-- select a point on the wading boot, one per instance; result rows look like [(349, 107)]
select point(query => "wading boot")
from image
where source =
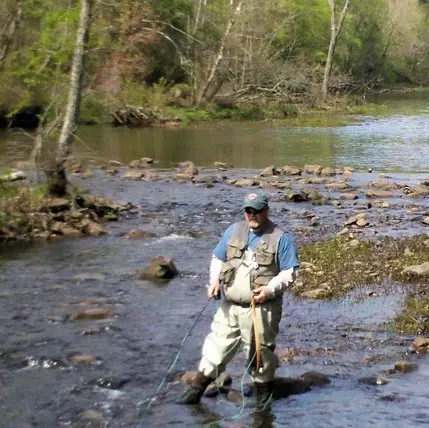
[(264, 392), (194, 393)]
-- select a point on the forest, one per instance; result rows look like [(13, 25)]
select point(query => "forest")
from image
[(212, 55)]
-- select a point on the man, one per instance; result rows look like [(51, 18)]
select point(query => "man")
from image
[(253, 260)]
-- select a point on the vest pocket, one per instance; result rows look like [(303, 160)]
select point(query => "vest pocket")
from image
[(265, 257), (227, 273), (235, 249)]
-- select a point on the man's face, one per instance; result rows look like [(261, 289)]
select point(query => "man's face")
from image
[(256, 219)]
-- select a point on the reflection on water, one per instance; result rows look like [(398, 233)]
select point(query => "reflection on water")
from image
[(397, 143)]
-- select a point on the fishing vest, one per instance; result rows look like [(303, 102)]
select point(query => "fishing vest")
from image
[(246, 270)]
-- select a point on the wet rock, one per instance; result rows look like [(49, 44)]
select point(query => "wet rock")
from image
[(349, 195), (374, 380), (425, 220), (184, 176), (404, 366), (417, 270), (152, 175), (340, 185), (141, 163), (284, 387), (115, 163), (92, 229), (56, 205), (328, 172), (300, 196), (385, 185), (234, 396), (186, 377), (222, 166), (421, 342), (354, 219), (92, 314), (45, 362), (93, 417), (61, 228), (109, 383), (159, 268), (246, 182), (133, 174), (85, 359), (318, 293), (139, 234), (290, 170), (418, 191), (313, 378), (376, 193), (269, 171), (188, 168), (313, 169)]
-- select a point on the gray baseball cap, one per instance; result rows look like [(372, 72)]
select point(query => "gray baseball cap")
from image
[(256, 199)]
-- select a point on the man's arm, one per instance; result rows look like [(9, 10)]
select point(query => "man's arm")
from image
[(219, 256)]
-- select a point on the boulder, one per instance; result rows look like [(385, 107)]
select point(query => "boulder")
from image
[(313, 169), (418, 270), (290, 170), (160, 268)]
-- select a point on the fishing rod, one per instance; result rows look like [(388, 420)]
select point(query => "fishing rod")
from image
[(173, 363)]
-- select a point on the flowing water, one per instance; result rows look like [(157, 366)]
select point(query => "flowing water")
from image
[(42, 284)]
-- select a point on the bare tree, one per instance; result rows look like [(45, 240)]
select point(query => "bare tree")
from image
[(204, 91), (6, 34), (57, 177), (335, 32)]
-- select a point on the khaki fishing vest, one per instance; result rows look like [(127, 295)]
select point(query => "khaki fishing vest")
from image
[(245, 270)]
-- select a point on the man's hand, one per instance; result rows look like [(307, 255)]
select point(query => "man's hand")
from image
[(261, 294), (213, 289)]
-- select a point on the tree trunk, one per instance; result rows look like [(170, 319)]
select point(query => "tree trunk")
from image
[(8, 31), (57, 176), (212, 73), (335, 32)]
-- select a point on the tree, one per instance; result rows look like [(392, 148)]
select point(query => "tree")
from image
[(335, 32), (57, 177)]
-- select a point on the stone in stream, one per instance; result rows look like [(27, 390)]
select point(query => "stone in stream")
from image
[(109, 383), (374, 380), (160, 268)]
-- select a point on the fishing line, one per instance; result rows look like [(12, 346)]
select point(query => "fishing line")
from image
[(173, 363)]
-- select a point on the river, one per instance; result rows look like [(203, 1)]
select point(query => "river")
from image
[(42, 284)]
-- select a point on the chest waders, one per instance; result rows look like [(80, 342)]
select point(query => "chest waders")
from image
[(233, 324)]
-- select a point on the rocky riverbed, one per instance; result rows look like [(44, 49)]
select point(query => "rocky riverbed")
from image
[(87, 340)]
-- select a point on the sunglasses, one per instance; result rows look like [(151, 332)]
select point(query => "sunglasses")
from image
[(249, 210)]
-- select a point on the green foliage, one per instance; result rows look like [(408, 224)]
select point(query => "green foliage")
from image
[(250, 113)]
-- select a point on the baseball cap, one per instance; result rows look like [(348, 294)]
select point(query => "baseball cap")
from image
[(257, 200)]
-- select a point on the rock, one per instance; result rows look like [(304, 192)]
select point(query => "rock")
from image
[(222, 166), (404, 366), (421, 342), (284, 387), (92, 229), (313, 169), (188, 167), (313, 378), (374, 380), (425, 220), (269, 171), (418, 191), (300, 196), (141, 163), (139, 234), (186, 377), (246, 182), (93, 417), (159, 268), (133, 174), (290, 170), (318, 293), (349, 195), (340, 185), (84, 359), (419, 270), (109, 383), (115, 163), (152, 175), (56, 205), (184, 176), (92, 314), (328, 172), (376, 193)]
